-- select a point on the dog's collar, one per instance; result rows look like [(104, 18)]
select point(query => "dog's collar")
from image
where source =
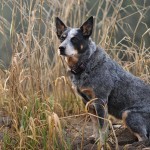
[(79, 68)]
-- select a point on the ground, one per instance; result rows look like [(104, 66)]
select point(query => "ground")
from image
[(78, 130)]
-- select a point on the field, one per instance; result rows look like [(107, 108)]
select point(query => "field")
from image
[(39, 109)]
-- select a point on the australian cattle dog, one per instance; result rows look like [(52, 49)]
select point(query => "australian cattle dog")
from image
[(96, 76)]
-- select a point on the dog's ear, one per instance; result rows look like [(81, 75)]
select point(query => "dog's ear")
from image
[(60, 27), (87, 27)]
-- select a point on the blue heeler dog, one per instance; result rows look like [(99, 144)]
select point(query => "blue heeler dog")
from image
[(96, 76)]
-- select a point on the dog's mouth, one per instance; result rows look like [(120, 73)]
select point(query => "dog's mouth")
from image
[(62, 53)]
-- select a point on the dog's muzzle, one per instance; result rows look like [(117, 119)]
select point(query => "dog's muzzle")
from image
[(62, 50)]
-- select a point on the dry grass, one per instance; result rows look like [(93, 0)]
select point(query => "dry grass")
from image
[(34, 91)]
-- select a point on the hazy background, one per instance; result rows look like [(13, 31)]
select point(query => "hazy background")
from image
[(133, 13)]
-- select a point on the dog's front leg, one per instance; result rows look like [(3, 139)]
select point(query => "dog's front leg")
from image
[(100, 122)]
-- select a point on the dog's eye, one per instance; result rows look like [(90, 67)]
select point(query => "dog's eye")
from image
[(62, 38), (74, 39)]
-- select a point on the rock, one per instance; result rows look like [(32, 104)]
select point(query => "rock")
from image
[(142, 145), (125, 137)]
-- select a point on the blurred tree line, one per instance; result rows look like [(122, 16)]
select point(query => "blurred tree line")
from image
[(131, 12)]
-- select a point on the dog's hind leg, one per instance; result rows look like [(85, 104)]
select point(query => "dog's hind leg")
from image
[(136, 123)]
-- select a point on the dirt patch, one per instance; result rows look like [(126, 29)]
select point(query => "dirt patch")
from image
[(78, 130)]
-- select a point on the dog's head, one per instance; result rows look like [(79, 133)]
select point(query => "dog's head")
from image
[(74, 41)]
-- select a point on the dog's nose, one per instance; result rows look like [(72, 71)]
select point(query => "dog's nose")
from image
[(62, 50)]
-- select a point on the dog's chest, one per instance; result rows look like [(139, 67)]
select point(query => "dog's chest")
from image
[(82, 80), (83, 86)]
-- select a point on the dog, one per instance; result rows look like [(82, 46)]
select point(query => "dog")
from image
[(96, 76)]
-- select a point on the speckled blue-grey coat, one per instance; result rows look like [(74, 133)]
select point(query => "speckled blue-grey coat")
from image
[(127, 97)]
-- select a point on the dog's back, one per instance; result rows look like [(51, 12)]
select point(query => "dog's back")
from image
[(128, 96), (124, 90)]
